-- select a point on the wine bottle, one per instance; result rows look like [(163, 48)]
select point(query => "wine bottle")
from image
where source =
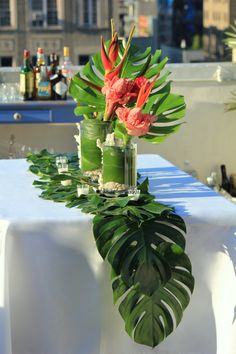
[(27, 78), (225, 183)]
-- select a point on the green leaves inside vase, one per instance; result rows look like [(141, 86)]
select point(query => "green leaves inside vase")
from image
[(90, 155), (119, 172)]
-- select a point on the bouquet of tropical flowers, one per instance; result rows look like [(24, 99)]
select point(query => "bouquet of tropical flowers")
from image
[(122, 93)]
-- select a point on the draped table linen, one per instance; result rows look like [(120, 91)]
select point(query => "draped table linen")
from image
[(56, 295)]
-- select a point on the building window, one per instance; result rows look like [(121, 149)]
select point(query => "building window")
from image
[(90, 12), (6, 61), (44, 13), (5, 18), (52, 13)]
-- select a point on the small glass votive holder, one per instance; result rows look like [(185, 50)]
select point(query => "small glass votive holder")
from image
[(61, 160), (82, 189), (134, 193), (63, 170)]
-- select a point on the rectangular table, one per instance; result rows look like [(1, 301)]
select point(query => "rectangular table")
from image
[(56, 297)]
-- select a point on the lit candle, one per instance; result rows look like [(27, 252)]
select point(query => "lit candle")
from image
[(134, 193), (63, 170), (82, 189)]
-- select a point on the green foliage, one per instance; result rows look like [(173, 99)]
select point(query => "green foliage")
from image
[(230, 39), (144, 243), (231, 105), (169, 108)]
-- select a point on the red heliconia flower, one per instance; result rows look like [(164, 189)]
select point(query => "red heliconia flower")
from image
[(107, 62), (113, 50), (109, 57), (144, 92), (136, 122)]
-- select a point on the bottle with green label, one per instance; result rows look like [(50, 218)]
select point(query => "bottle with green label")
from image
[(27, 78)]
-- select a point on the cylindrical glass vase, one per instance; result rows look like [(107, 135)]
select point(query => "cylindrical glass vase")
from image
[(119, 170), (90, 157)]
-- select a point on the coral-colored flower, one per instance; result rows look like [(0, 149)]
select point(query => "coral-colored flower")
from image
[(136, 122), (118, 91)]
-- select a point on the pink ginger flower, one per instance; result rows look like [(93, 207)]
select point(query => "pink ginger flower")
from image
[(136, 122), (117, 92)]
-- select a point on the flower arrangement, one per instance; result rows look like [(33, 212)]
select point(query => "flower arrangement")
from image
[(124, 86)]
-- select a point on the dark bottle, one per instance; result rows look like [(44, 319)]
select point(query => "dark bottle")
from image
[(27, 78), (53, 62), (40, 62), (225, 183), (59, 86)]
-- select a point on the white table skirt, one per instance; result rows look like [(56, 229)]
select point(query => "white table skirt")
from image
[(56, 296)]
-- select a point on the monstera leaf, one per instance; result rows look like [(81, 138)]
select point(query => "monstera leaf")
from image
[(169, 108), (151, 274), (150, 319)]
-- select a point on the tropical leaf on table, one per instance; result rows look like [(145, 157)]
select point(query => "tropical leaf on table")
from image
[(151, 274), (150, 319)]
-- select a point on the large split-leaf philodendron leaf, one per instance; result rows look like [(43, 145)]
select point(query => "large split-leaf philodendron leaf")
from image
[(151, 273), (150, 319), (134, 249)]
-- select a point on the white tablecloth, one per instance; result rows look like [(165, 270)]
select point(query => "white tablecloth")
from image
[(56, 295)]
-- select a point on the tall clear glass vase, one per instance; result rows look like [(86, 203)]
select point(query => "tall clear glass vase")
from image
[(119, 170), (90, 156)]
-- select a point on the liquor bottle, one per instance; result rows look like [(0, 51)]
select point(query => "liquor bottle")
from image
[(53, 62), (59, 85), (225, 183), (27, 78), (44, 90), (67, 64), (40, 62)]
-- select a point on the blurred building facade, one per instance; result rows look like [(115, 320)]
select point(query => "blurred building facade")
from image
[(140, 13), (179, 28), (52, 24), (218, 15)]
